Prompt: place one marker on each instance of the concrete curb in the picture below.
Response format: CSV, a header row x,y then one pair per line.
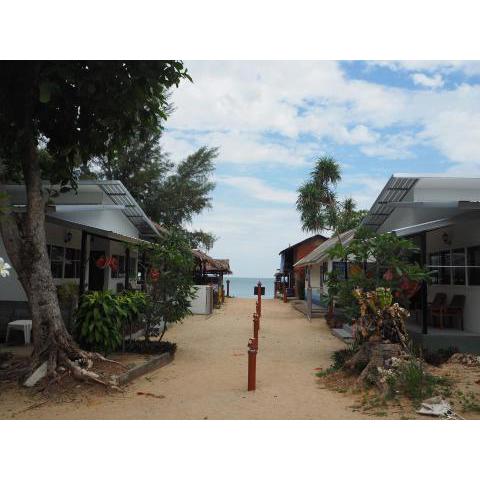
x,y
152,364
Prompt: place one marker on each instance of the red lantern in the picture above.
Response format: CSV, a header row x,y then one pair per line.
x,y
101,262
113,262
154,274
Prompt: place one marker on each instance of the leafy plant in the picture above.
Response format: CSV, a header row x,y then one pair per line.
x,y
411,380
384,261
170,284
98,321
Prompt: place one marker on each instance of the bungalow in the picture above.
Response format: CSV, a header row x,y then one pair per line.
x,y
319,264
289,274
92,235
442,215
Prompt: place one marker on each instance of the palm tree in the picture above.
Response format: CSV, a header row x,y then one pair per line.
x,y
318,204
317,197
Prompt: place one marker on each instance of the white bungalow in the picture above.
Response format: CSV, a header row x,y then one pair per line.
x,y
442,215
92,236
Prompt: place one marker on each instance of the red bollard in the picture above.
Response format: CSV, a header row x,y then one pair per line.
x,y
256,326
259,300
252,364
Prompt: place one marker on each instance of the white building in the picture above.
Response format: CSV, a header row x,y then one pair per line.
x,y
442,214
100,223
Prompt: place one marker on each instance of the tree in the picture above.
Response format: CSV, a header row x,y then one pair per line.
x,y
169,280
73,110
317,202
169,195
151,166
186,192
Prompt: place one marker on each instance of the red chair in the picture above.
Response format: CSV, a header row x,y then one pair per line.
x,y
455,310
437,308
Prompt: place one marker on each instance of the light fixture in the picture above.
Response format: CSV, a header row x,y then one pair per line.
x,y
68,237
446,238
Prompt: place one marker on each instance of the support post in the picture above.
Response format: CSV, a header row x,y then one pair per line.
x,y
228,288
144,271
252,364
256,326
424,291
83,263
127,268
259,298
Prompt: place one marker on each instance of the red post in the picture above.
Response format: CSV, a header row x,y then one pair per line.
x,y
259,296
256,326
252,364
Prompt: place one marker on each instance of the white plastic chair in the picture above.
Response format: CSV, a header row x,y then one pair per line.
x,y
24,325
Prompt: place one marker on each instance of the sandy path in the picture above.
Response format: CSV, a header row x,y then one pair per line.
x,y
208,377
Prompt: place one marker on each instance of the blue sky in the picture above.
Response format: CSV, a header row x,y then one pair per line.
x,y
272,119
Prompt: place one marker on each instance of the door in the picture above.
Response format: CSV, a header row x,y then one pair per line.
x,y
96,275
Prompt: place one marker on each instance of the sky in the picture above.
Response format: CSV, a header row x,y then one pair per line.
x,y
272,119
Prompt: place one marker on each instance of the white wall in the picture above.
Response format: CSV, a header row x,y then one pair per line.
x,y
110,220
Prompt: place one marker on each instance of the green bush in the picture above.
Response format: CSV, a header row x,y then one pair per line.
x,y
134,303
99,319
414,382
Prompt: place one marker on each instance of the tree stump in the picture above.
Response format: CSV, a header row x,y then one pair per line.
x,y
370,358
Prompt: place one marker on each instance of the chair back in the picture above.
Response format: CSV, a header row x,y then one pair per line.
x,y
458,301
439,300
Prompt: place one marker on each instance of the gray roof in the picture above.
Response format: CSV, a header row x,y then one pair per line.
x,y
118,193
394,191
320,253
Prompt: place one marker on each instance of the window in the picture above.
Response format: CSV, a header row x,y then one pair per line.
x,y
458,266
440,266
340,269
56,261
132,270
473,255
323,273
72,263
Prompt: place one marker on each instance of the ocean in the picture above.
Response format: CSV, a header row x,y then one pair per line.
x,y
242,287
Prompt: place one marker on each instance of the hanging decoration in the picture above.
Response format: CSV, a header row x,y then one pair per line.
x,y
104,262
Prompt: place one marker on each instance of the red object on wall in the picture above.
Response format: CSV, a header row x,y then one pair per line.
x,y
154,274
101,262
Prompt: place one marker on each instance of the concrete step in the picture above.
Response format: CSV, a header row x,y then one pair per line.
x,y
343,334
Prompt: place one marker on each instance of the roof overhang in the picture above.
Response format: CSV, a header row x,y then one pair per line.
x,y
98,232
392,193
423,227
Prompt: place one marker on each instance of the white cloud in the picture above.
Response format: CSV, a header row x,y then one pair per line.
x,y
257,188
433,81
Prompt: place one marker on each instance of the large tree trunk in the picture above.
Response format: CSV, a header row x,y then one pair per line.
x,y
24,237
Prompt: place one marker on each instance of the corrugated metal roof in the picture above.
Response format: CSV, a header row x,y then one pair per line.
x,y
320,253
394,191
119,195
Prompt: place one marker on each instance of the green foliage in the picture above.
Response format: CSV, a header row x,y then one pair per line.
x,y
150,163
412,381
79,109
185,192
170,280
98,321
317,202
389,262
134,304
339,357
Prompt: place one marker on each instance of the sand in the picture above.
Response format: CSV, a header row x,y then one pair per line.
x,y
208,378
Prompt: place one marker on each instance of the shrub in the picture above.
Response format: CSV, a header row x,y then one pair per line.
x,y
411,380
98,321
341,356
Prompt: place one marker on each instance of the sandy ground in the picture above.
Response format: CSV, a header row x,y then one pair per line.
x,y
208,378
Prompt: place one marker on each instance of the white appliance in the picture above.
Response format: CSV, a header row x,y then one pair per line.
x,y
202,302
